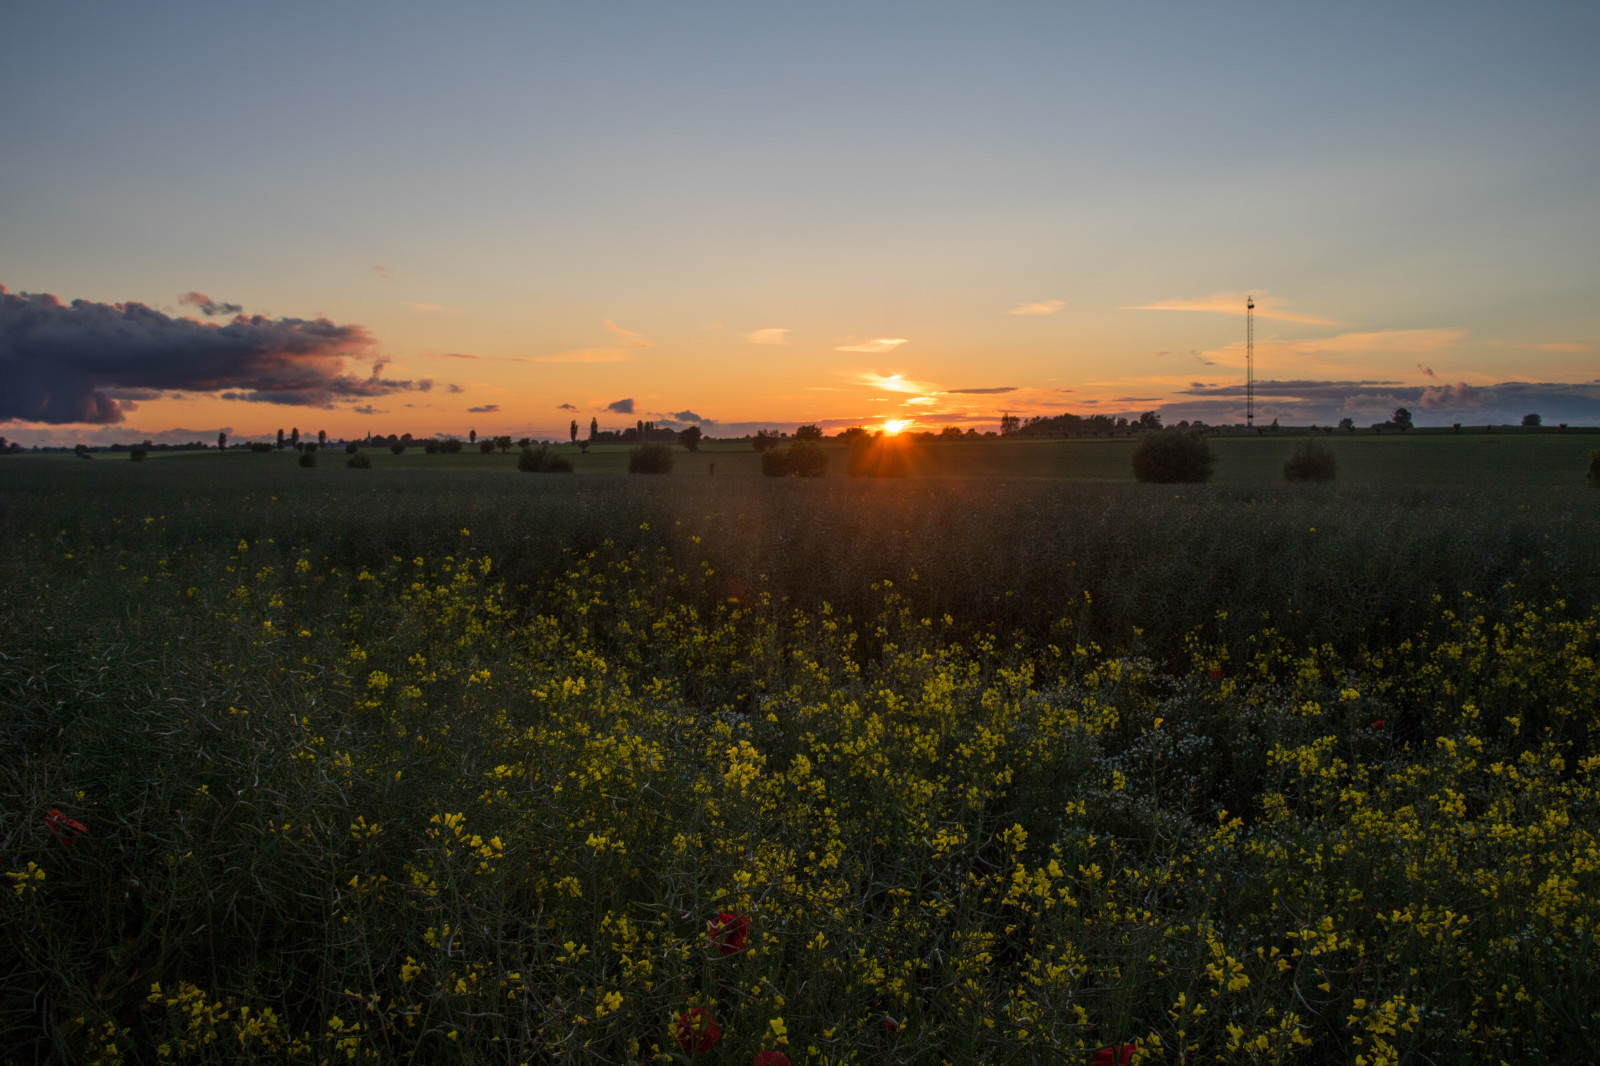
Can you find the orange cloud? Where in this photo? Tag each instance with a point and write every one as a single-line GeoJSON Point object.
{"type": "Point", "coordinates": [877, 347]}
{"type": "Point", "coordinates": [1045, 307]}
{"type": "Point", "coordinates": [764, 336]}
{"type": "Point", "coordinates": [634, 340]}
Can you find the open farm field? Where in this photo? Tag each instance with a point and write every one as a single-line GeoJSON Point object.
{"type": "Point", "coordinates": [1426, 458]}
{"type": "Point", "coordinates": [422, 764]}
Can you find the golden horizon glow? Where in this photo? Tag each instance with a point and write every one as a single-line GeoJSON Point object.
{"type": "Point", "coordinates": [894, 426]}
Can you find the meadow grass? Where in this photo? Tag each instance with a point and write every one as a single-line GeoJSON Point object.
{"type": "Point", "coordinates": [424, 765]}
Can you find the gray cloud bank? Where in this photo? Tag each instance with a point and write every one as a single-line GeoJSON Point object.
{"type": "Point", "coordinates": [1325, 402]}
{"type": "Point", "coordinates": [85, 361]}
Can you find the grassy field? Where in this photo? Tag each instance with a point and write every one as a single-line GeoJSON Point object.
{"type": "Point", "coordinates": [424, 764]}
{"type": "Point", "coordinates": [1428, 458]}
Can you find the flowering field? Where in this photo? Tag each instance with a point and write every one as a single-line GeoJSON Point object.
{"type": "Point", "coordinates": [281, 784]}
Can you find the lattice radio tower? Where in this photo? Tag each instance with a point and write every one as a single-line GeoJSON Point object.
{"type": "Point", "coordinates": [1249, 361]}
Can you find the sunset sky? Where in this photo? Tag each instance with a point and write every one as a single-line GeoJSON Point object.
{"type": "Point", "coordinates": [433, 218]}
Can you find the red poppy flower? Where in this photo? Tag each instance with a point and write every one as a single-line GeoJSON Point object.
{"type": "Point", "coordinates": [63, 827]}
{"type": "Point", "coordinates": [728, 932]}
{"type": "Point", "coordinates": [1216, 673]}
{"type": "Point", "coordinates": [1379, 724]}
{"type": "Point", "coordinates": [770, 1058]}
{"type": "Point", "coordinates": [890, 1025]}
{"type": "Point", "coordinates": [1115, 1055]}
{"type": "Point", "coordinates": [696, 1029]}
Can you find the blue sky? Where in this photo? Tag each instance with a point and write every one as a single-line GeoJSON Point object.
{"type": "Point", "coordinates": [770, 215]}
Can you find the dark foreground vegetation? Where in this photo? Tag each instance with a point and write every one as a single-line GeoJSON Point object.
{"type": "Point", "coordinates": [324, 765]}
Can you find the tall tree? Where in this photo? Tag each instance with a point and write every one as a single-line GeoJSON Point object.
{"type": "Point", "coordinates": [322, 438]}
{"type": "Point", "coordinates": [222, 441]}
{"type": "Point", "coordinates": [594, 427]}
{"type": "Point", "coordinates": [574, 431]}
{"type": "Point", "coordinates": [280, 437]}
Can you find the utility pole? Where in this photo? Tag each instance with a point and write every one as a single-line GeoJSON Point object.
{"type": "Point", "coordinates": [1249, 361]}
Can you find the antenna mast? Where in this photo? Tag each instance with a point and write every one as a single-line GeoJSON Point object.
{"type": "Point", "coordinates": [1249, 361]}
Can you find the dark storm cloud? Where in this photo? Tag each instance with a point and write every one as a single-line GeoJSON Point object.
{"type": "Point", "coordinates": [983, 392]}
{"type": "Point", "coordinates": [486, 409]}
{"type": "Point", "coordinates": [208, 306]}
{"type": "Point", "coordinates": [71, 363]}
{"type": "Point", "coordinates": [621, 407]}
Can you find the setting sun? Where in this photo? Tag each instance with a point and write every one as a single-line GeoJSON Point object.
{"type": "Point", "coordinates": [894, 426]}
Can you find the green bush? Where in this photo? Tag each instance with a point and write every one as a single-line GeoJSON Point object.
{"type": "Point", "coordinates": [803, 458]}
{"type": "Point", "coordinates": [308, 458]}
{"type": "Point", "coordinates": [351, 448]}
{"type": "Point", "coordinates": [542, 460]}
{"type": "Point", "coordinates": [775, 462]}
{"type": "Point", "coordinates": [359, 460]}
{"type": "Point", "coordinates": [1311, 460]}
{"type": "Point", "coordinates": [1594, 468]}
{"type": "Point", "coordinates": [1171, 455]}
{"type": "Point", "coordinates": [650, 459]}
{"type": "Point", "coordinates": [399, 447]}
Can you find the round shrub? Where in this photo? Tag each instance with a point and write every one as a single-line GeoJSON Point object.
{"type": "Point", "coordinates": [398, 447]}
{"type": "Point", "coordinates": [359, 460]}
{"type": "Point", "coordinates": [775, 462]}
{"type": "Point", "coordinates": [542, 460]}
{"type": "Point", "coordinates": [352, 448]}
{"type": "Point", "coordinates": [308, 458]}
{"type": "Point", "coordinates": [650, 459]}
{"type": "Point", "coordinates": [803, 458]}
{"type": "Point", "coordinates": [486, 446]}
{"type": "Point", "coordinates": [1172, 455]}
{"type": "Point", "coordinates": [1311, 460]}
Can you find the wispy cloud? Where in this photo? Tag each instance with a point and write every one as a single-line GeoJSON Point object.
{"type": "Point", "coordinates": [983, 392]}
{"type": "Point", "coordinates": [892, 383]}
{"type": "Point", "coordinates": [208, 306]}
{"type": "Point", "coordinates": [488, 408]}
{"type": "Point", "coordinates": [876, 347]}
{"type": "Point", "coordinates": [764, 336]}
{"type": "Point", "coordinates": [368, 409]}
{"type": "Point", "coordinates": [1428, 370]}
{"type": "Point", "coordinates": [456, 355]}
{"type": "Point", "coordinates": [383, 272]}
{"type": "Point", "coordinates": [565, 407]}
{"type": "Point", "coordinates": [634, 340]}
{"type": "Point", "coordinates": [1233, 303]}
{"type": "Point", "coordinates": [584, 355]}
{"type": "Point", "coordinates": [1563, 346]}
{"type": "Point", "coordinates": [1044, 307]}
